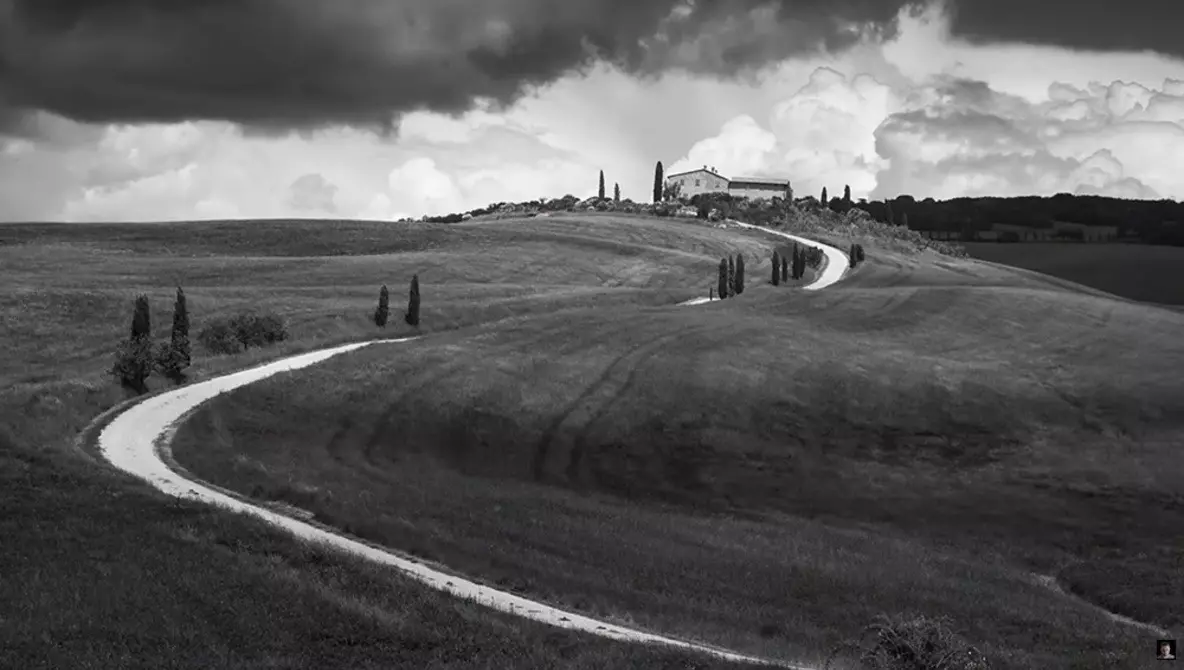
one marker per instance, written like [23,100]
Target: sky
[148,110]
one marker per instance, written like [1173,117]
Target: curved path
[833,269]
[137,440]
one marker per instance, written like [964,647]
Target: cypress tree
[739,274]
[846,195]
[141,324]
[798,258]
[179,338]
[722,288]
[616,192]
[412,315]
[776,268]
[384,307]
[731,277]
[825,202]
[784,268]
[852,258]
[658,182]
[600,192]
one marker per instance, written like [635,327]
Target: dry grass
[763,472]
[102,572]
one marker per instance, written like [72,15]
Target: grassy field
[99,571]
[766,473]
[1136,271]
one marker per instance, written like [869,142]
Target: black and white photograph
[591,334]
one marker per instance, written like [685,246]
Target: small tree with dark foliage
[172,357]
[722,288]
[739,274]
[658,182]
[851,257]
[384,307]
[776,268]
[616,192]
[731,277]
[135,357]
[600,191]
[825,201]
[412,315]
[784,269]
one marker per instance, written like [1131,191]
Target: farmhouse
[707,180]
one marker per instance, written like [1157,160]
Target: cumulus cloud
[937,134]
[312,193]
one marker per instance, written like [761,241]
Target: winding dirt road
[137,440]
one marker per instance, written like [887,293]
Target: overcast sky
[160,109]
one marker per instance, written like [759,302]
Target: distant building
[703,180]
[707,180]
[754,187]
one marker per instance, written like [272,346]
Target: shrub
[133,364]
[918,643]
[739,274]
[776,268]
[852,259]
[384,307]
[412,315]
[252,329]
[859,252]
[171,360]
[784,269]
[219,338]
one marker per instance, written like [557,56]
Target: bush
[134,361]
[723,278]
[171,358]
[242,331]
[219,338]
[256,330]
[776,268]
[918,643]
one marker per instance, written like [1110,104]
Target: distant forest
[1148,221]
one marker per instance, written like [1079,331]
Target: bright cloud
[924,114]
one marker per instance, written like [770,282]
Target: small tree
[172,357]
[859,253]
[798,262]
[384,307]
[739,274]
[600,192]
[722,288]
[825,202]
[846,195]
[776,268]
[658,182]
[616,193]
[784,269]
[412,315]
[179,337]
[731,277]
[141,323]
[135,357]
[672,191]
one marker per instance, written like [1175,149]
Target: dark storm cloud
[307,63]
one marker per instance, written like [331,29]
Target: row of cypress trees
[411,316]
[731,276]
[789,266]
